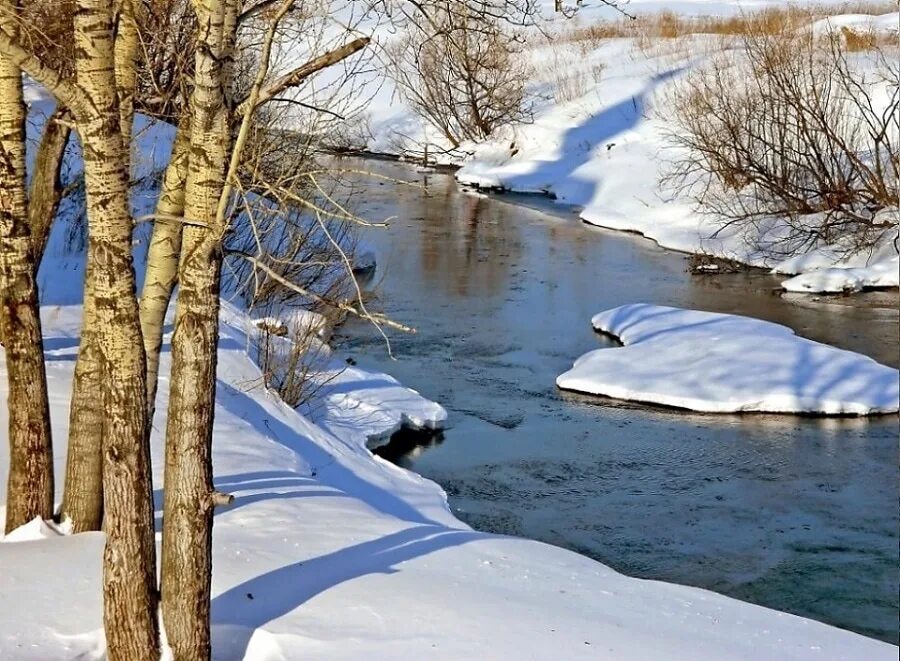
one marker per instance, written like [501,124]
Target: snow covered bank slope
[330,553]
[605,145]
[721,363]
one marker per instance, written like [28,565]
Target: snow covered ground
[603,145]
[331,553]
[723,363]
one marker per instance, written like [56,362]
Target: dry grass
[669,25]
[856,41]
[568,72]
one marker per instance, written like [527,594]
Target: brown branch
[46,191]
[301,73]
[378,319]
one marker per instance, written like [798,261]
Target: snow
[836,280]
[722,363]
[372,406]
[827,271]
[331,553]
[607,150]
[862,23]
[35,529]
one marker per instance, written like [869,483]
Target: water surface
[795,513]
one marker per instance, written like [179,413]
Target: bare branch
[301,73]
[66,91]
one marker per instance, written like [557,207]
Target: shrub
[788,126]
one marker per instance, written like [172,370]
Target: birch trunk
[189,496]
[30,482]
[82,503]
[162,259]
[129,576]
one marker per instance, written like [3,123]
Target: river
[795,513]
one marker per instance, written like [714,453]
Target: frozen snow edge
[720,363]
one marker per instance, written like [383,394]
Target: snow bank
[830,271]
[723,363]
[882,274]
[33,530]
[607,151]
[331,553]
[860,23]
[371,406]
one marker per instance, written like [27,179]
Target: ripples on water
[799,514]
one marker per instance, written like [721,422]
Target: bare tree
[462,70]
[130,594]
[165,244]
[189,495]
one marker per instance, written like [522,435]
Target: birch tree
[129,577]
[30,482]
[82,505]
[189,497]
[165,244]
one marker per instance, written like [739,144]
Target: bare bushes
[789,133]
[49,33]
[463,72]
[290,256]
[168,31]
[293,354]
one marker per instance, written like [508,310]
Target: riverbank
[330,553]
[763,508]
[602,138]
[610,150]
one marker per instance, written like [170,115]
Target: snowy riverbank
[609,150]
[601,140]
[331,553]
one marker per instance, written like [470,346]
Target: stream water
[795,513]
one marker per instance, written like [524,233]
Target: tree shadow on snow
[579,143]
[331,471]
[238,612]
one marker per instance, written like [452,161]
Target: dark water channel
[799,514]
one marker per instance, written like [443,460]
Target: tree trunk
[46,190]
[82,505]
[30,483]
[125,54]
[189,496]
[129,576]
[162,259]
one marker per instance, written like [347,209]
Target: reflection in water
[464,263]
[407,444]
[795,513]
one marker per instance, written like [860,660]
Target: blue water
[799,514]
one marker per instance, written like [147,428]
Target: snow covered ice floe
[722,363]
